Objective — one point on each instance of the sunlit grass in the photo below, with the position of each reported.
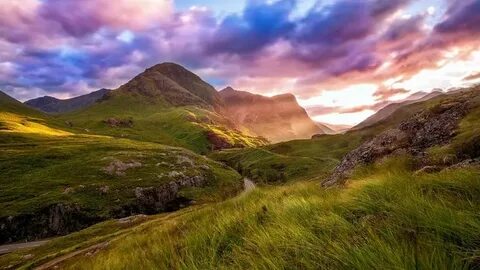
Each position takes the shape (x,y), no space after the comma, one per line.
(10,122)
(389,219)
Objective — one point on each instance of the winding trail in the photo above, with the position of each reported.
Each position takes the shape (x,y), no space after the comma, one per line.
(4,249)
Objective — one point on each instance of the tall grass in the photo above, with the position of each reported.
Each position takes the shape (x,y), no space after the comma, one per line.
(389,219)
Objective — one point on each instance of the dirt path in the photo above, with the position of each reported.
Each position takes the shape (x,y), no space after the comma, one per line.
(92,249)
(248,185)
(4,249)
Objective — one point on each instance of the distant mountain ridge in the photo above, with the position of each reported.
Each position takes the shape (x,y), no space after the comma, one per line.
(54,105)
(277,118)
(391,108)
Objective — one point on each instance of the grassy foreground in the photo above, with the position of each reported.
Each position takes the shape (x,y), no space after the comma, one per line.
(386,218)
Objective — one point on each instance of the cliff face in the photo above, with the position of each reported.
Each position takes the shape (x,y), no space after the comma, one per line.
(277,118)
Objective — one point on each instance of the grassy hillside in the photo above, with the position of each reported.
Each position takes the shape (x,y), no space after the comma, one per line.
(387,217)
(50,172)
(150,119)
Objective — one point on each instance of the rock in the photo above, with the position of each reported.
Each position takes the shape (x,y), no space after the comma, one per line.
(175,174)
(104,189)
(68,190)
(119,168)
(131,219)
(114,122)
(217,142)
(428,169)
(184,160)
(28,257)
(466,164)
(57,219)
(155,199)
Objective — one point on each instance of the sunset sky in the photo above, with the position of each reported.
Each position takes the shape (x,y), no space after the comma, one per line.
(343,59)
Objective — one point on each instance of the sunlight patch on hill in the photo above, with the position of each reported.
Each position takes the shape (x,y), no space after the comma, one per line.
(10,122)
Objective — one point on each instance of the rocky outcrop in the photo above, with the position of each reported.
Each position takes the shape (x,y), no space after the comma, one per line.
(118,123)
(119,168)
(58,219)
(217,142)
(62,219)
(430,127)
(155,199)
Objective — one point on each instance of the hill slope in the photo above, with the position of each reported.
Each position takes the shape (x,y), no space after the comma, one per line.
(56,179)
(278,118)
(53,105)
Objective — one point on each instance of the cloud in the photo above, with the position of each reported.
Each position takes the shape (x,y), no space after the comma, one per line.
(80,18)
(384,93)
(260,24)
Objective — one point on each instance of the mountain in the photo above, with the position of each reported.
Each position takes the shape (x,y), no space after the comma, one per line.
(277,118)
(325,128)
(392,107)
(175,85)
(338,128)
(165,104)
(53,105)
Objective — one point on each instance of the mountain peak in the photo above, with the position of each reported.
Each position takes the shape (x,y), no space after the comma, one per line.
(228,89)
(171,69)
(175,85)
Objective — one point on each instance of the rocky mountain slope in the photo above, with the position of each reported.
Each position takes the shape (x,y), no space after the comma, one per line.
(436,125)
(175,85)
(277,118)
(53,105)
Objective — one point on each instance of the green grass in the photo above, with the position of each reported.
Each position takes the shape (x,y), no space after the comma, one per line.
(266,167)
(386,218)
(290,161)
(37,174)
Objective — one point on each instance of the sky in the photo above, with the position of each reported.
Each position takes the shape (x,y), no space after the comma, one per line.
(343,59)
